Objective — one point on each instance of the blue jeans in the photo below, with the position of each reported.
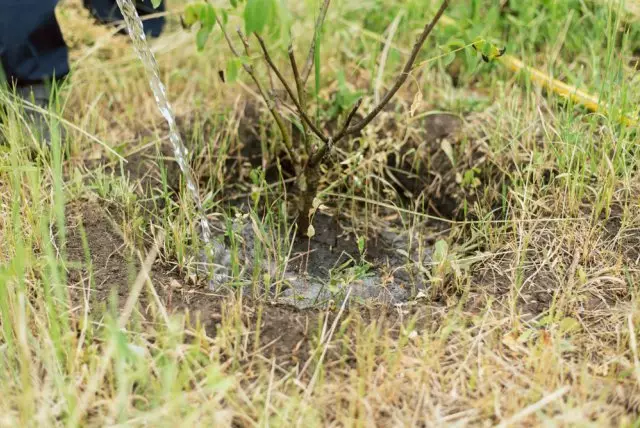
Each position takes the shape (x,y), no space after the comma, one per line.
(31,45)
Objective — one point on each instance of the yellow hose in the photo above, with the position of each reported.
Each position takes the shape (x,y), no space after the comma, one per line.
(576,95)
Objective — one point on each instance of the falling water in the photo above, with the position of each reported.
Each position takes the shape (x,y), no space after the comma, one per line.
(136,32)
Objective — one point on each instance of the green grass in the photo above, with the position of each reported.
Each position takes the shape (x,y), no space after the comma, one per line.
(533,312)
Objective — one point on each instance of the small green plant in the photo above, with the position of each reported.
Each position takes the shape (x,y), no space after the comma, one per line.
(309,149)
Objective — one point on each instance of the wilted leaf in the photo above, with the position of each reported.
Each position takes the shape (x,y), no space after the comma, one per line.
(422,296)
(488,50)
(417,102)
(311,231)
(402,252)
(446,147)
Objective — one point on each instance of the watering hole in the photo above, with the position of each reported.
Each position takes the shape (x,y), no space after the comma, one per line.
(390,265)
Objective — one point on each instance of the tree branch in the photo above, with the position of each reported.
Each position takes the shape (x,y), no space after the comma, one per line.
(302,114)
(296,75)
(312,50)
(286,136)
(302,96)
(351,115)
(399,81)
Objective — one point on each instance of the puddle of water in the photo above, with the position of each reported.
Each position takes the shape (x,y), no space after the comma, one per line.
(215,251)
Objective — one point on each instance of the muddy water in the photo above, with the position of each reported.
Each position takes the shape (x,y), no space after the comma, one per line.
(313,277)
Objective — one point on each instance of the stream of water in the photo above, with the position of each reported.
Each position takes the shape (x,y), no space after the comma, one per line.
(138,37)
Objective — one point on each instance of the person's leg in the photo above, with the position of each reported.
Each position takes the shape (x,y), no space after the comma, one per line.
(107,12)
(32,53)
(32,49)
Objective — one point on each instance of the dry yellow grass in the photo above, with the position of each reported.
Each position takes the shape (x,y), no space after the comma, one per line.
(540,326)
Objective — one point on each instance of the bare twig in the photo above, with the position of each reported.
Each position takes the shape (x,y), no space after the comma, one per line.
(302,114)
(400,80)
(312,50)
(244,41)
(353,112)
(302,97)
(296,75)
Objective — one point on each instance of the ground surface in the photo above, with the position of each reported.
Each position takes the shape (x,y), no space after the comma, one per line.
(486,232)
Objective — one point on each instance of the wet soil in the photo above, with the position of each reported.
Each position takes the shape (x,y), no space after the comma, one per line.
(386,270)
(289,334)
(418,167)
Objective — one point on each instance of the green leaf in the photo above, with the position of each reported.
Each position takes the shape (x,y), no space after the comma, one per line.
(202,37)
(199,12)
(256,14)
(234,3)
(488,51)
(455,43)
(233,68)
(208,17)
(156,3)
